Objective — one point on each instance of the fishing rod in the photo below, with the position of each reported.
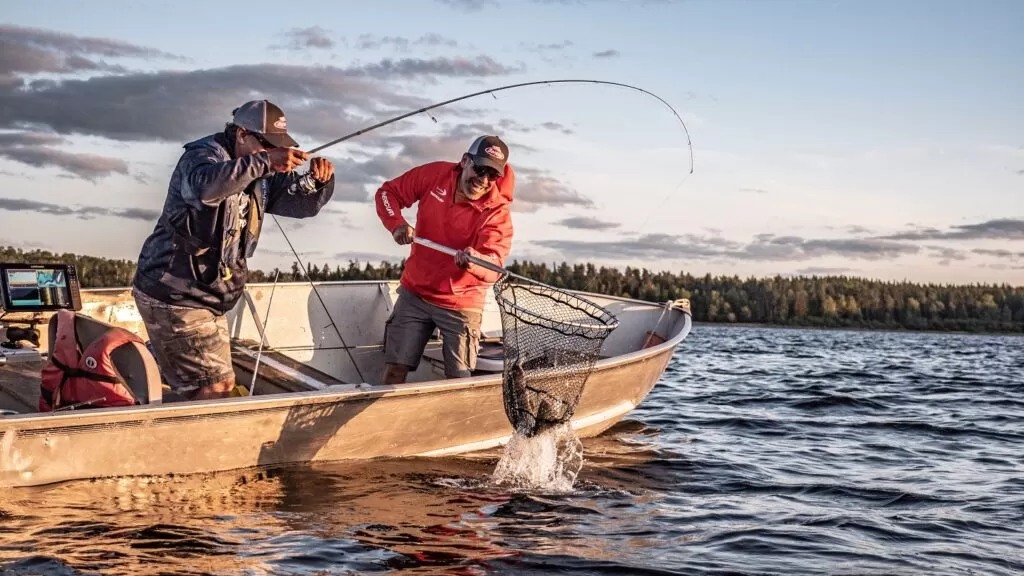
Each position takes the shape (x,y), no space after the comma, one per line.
(490,91)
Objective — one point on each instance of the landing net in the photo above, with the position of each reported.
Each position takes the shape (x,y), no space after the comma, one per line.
(551,341)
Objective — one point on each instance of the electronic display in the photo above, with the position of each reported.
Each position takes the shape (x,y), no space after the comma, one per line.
(39,287)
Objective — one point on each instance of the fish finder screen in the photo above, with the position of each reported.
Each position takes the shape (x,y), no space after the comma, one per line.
(36,287)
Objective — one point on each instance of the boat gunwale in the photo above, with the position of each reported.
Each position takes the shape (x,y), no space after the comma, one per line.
(329,395)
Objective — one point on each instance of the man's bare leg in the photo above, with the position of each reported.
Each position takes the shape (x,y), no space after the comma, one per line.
(395,373)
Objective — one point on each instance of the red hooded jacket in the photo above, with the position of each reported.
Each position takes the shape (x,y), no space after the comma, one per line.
(484,225)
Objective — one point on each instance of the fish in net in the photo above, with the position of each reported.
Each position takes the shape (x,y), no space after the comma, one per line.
(551,340)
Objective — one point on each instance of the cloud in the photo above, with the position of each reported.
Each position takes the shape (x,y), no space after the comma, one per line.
(36,149)
(769,247)
(998,229)
(555,126)
(788,248)
(364,257)
(646,247)
(537,188)
(765,247)
(585,2)
(549,47)
(177,106)
(607,54)
(754,190)
(946,255)
(82,212)
(402,44)
(180,105)
(551,52)
(32,50)
(998,253)
(307,255)
(388,157)
(434,39)
(823,271)
(477,5)
(313,37)
(586,223)
(469,5)
(411,68)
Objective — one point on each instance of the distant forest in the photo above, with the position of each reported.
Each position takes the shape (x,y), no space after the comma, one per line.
(819,301)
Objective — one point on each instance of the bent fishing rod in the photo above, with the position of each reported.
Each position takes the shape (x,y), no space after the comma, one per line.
(490,91)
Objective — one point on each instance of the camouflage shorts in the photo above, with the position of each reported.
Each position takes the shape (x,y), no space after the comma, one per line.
(191,345)
(411,324)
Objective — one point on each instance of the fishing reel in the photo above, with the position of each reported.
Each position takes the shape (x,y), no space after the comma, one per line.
(19,343)
(12,338)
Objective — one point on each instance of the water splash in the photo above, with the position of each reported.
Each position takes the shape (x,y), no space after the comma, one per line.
(547,462)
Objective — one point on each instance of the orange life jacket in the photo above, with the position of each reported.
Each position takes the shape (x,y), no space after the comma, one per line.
(74,377)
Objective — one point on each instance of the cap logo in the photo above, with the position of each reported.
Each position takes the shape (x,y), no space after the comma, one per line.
(281,123)
(494,152)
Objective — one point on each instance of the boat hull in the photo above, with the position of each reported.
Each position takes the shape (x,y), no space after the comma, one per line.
(341,422)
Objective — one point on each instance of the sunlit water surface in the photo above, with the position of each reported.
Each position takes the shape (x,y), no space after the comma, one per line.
(761,451)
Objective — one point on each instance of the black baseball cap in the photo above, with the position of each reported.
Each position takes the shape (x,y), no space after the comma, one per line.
(267,120)
(489,151)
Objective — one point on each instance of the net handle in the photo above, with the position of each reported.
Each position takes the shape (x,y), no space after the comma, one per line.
(482,263)
(495,268)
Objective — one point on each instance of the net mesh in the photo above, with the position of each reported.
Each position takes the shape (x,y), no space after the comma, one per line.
(551,341)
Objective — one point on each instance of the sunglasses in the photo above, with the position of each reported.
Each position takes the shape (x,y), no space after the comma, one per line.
(263,141)
(486,171)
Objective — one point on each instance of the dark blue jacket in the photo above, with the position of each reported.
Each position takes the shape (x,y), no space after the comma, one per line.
(196,255)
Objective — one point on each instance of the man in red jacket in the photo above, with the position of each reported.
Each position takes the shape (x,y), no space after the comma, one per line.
(463,205)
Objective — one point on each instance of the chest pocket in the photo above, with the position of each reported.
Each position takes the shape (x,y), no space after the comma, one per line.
(254,219)
(244,223)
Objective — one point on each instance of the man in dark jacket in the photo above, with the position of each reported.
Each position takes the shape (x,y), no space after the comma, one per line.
(192,268)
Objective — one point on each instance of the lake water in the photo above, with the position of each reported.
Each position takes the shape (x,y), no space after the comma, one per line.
(761,451)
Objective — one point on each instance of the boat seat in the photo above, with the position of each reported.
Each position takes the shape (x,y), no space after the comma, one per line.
(133,361)
(489,357)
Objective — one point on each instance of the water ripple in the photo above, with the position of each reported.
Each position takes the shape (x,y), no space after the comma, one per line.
(762,451)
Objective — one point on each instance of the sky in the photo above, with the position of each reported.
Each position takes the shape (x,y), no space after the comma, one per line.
(866,138)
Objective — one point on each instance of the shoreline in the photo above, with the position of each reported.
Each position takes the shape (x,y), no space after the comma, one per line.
(854,329)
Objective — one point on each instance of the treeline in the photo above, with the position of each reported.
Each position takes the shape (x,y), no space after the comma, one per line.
(93,272)
(826,301)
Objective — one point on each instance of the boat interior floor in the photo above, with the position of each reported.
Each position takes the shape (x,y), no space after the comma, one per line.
(278,373)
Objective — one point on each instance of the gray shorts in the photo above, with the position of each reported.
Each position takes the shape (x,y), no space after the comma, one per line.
(191,345)
(413,321)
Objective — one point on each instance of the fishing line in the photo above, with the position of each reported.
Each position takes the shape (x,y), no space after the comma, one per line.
(490,91)
(263,334)
(318,297)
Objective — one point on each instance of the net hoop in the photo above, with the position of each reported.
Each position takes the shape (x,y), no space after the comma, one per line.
(603,321)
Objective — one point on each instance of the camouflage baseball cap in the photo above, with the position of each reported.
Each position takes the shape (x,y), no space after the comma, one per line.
(266,119)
